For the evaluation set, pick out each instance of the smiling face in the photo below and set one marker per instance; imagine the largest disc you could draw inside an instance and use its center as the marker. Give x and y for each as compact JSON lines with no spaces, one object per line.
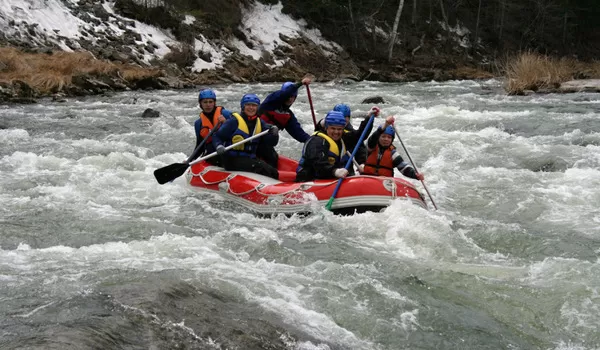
{"x":207,"y":105}
{"x":385,"y":140}
{"x":250,"y":109}
{"x":335,"y":132}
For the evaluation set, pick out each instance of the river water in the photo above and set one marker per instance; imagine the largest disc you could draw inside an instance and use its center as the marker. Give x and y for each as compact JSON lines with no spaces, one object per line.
{"x":94,"y":254}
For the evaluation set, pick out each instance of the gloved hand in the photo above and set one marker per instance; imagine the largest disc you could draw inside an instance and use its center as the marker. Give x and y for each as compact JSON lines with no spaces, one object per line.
{"x":361,"y":168}
{"x":221,"y":150}
{"x":390,"y":120}
{"x":340,"y":173}
{"x":375,"y":110}
{"x":274,"y":131}
{"x":420,"y":176}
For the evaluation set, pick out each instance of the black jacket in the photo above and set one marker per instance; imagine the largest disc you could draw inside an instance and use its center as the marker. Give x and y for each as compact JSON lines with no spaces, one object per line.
{"x":351,"y":137}
{"x":316,"y":161}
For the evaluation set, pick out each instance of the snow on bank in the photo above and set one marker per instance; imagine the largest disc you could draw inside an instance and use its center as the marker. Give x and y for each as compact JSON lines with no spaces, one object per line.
{"x":263,"y":26}
{"x":152,"y":35}
{"x":53,"y":21}
{"x":50,"y":19}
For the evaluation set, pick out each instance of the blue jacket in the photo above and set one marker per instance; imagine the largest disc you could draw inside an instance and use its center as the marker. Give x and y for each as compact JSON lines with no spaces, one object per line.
{"x":228,"y":129}
{"x":274,"y":104}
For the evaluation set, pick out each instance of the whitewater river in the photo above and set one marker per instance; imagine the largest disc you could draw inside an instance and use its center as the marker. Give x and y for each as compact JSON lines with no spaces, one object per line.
{"x":94,"y":254}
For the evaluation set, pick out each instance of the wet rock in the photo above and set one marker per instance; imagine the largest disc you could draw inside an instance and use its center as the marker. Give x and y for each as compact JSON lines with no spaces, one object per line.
{"x":22,"y":100}
{"x":93,"y":84}
{"x":22,"y":89}
{"x":584,"y":85}
{"x":59,"y":97}
{"x":150,"y":83}
{"x":17,"y":92}
{"x":150,"y":48}
{"x":373,"y":100}
{"x":174,"y":83}
{"x":150,"y":113}
{"x":205,"y":56}
{"x":118,"y":56}
{"x":380,"y":75}
{"x":347,"y":80}
{"x":100,"y":12}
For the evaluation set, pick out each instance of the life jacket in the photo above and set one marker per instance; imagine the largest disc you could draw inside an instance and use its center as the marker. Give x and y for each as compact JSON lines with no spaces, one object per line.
{"x":208,"y":125}
{"x":380,"y":164}
{"x":334,"y":156}
{"x":248,"y":149}
{"x":278,"y":118}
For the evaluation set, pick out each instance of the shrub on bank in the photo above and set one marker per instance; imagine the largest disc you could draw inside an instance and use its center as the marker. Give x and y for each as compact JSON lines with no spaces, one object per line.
{"x":531,"y":71}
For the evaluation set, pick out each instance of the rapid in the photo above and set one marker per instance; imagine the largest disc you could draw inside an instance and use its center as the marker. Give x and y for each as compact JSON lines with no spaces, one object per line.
{"x":94,"y":254}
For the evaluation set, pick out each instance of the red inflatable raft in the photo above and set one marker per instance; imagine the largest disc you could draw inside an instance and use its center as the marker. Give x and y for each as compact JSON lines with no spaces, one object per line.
{"x":264,"y":195}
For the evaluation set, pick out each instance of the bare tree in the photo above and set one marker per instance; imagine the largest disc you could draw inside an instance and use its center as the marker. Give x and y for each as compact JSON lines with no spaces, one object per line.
{"x":413,"y":19}
{"x":444,"y":13}
{"x":395,"y":30}
{"x":502,"y":7}
{"x":353,"y":30}
{"x":477,"y":23}
{"x":564,"y":36}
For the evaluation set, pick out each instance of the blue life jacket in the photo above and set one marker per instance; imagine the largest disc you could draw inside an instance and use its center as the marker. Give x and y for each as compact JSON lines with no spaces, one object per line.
{"x":334,"y":156}
{"x":248,"y":149}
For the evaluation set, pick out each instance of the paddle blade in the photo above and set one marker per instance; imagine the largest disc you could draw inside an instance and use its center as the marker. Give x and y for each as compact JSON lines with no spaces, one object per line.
{"x":329,"y":204}
{"x":170,"y":172}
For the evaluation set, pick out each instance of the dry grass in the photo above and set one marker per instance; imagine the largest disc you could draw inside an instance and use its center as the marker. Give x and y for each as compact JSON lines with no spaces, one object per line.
{"x":51,"y":73}
{"x":530,"y":71}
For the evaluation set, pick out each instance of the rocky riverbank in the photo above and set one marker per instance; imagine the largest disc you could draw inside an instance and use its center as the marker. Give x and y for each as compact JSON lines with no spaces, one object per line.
{"x":60,"y":74}
{"x":99,"y":47}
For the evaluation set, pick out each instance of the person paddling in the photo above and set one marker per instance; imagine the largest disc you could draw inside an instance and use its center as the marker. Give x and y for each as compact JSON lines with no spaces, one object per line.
{"x":351,"y":135}
{"x":239,"y":127}
{"x":382,"y":156}
{"x":275,"y":110}
{"x":324,"y":154}
{"x":211,"y":116}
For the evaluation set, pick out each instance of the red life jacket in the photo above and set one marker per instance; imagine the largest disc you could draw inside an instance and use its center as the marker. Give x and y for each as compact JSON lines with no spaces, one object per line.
{"x":207,"y":124}
{"x":277,"y":118}
{"x":380,"y":164}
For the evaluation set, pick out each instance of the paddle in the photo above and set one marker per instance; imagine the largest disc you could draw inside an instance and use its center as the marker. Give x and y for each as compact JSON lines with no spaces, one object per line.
{"x":196,"y":152}
{"x":312,"y":109}
{"x":353,"y":160}
{"x":349,"y":162}
{"x":415,"y":167}
{"x":175,"y":170}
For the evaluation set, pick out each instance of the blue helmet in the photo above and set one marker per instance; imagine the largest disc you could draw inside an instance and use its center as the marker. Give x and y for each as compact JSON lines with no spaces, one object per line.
{"x":334,"y":118}
{"x":344,"y":108}
{"x":390,"y":131}
{"x":249,"y":98}
{"x":286,"y":85}
{"x":207,"y":93}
